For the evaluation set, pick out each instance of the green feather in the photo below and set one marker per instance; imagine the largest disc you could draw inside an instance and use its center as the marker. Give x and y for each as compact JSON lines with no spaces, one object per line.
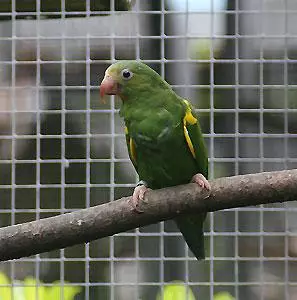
{"x":157,"y":120}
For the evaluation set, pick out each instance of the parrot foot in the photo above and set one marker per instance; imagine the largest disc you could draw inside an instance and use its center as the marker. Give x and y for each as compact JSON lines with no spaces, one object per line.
{"x":138,"y":195}
{"x":201,"y":181}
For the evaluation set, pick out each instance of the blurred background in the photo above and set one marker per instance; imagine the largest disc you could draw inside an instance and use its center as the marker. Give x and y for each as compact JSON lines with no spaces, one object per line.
{"x":61,"y":149}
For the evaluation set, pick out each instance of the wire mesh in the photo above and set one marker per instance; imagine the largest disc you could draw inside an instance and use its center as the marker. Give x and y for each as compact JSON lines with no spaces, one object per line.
{"x":62,"y":150}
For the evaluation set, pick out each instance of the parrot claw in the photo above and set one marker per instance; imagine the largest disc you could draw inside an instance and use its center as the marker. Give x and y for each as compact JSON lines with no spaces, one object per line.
{"x":138,"y":195}
{"x":201,"y":181}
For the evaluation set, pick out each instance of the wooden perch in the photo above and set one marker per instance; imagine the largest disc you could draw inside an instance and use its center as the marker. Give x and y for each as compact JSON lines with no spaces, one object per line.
{"x":104,"y":220}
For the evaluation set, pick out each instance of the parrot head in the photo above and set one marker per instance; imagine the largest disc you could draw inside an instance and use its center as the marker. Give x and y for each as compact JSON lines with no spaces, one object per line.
{"x":129,"y":78}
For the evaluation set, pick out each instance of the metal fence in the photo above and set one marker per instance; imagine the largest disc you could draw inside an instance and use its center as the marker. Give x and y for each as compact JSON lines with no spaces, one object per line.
{"x":62,"y":150}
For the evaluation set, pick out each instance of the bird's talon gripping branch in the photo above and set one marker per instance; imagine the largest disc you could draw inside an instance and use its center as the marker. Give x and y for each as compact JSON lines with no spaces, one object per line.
{"x":138,"y":195}
{"x":201,"y":181}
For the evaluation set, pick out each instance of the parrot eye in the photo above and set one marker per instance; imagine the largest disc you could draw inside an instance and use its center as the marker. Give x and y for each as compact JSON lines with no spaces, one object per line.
{"x":126,"y":74}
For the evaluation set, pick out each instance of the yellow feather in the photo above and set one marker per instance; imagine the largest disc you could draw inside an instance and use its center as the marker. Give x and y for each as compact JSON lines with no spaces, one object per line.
{"x":132,"y":151}
{"x":131,"y":146}
{"x":189,"y":142}
{"x":189,"y":118}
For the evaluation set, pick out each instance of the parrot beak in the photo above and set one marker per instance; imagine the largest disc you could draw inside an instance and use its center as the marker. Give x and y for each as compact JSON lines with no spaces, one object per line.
{"x":108,"y":86}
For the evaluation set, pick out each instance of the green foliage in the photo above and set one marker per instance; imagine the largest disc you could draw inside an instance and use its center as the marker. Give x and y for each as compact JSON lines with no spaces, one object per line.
{"x":32,"y":289}
{"x":203,"y":48}
{"x":223,"y":296}
{"x":176,"y":291}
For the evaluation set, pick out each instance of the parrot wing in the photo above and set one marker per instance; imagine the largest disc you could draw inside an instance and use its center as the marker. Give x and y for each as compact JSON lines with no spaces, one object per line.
{"x":131,"y":148}
{"x":191,"y":226}
{"x":194,"y":139}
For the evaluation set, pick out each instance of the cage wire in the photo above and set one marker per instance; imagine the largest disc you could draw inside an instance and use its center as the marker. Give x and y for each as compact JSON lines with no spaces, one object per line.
{"x":63,"y":150}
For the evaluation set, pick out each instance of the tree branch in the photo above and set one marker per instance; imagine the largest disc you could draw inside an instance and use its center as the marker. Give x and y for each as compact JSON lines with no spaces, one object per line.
{"x":104,"y":220}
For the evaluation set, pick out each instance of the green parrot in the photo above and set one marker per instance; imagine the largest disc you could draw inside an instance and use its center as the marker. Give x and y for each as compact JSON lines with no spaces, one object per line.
{"x":164,"y":138}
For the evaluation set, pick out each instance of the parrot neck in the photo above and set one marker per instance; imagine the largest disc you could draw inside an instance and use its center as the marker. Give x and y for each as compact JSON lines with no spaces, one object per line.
{"x":137,"y":107}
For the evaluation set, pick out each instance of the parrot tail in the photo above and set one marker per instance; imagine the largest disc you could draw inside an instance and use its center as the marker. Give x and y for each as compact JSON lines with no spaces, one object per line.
{"x":191,"y":227}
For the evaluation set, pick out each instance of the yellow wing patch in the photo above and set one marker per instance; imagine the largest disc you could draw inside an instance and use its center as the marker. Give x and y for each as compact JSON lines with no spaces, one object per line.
{"x":189,"y":119}
{"x":189,"y":142}
{"x":131,"y":146}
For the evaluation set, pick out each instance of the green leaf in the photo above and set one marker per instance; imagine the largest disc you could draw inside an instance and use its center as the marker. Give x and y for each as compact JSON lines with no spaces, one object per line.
{"x":223,"y":296}
{"x":176,"y":291}
{"x":59,"y":291}
{"x":5,"y":287}
{"x":33,"y":289}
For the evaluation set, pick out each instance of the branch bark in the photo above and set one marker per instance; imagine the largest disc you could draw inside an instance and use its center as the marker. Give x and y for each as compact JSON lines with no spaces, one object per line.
{"x":104,"y":220}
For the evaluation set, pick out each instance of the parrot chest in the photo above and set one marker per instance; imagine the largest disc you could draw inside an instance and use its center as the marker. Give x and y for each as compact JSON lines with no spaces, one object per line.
{"x":157,"y":142}
{"x":164,"y":159}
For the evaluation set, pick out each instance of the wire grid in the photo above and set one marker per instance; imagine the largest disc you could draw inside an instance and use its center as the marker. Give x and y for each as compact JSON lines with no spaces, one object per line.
{"x":141,"y":263}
